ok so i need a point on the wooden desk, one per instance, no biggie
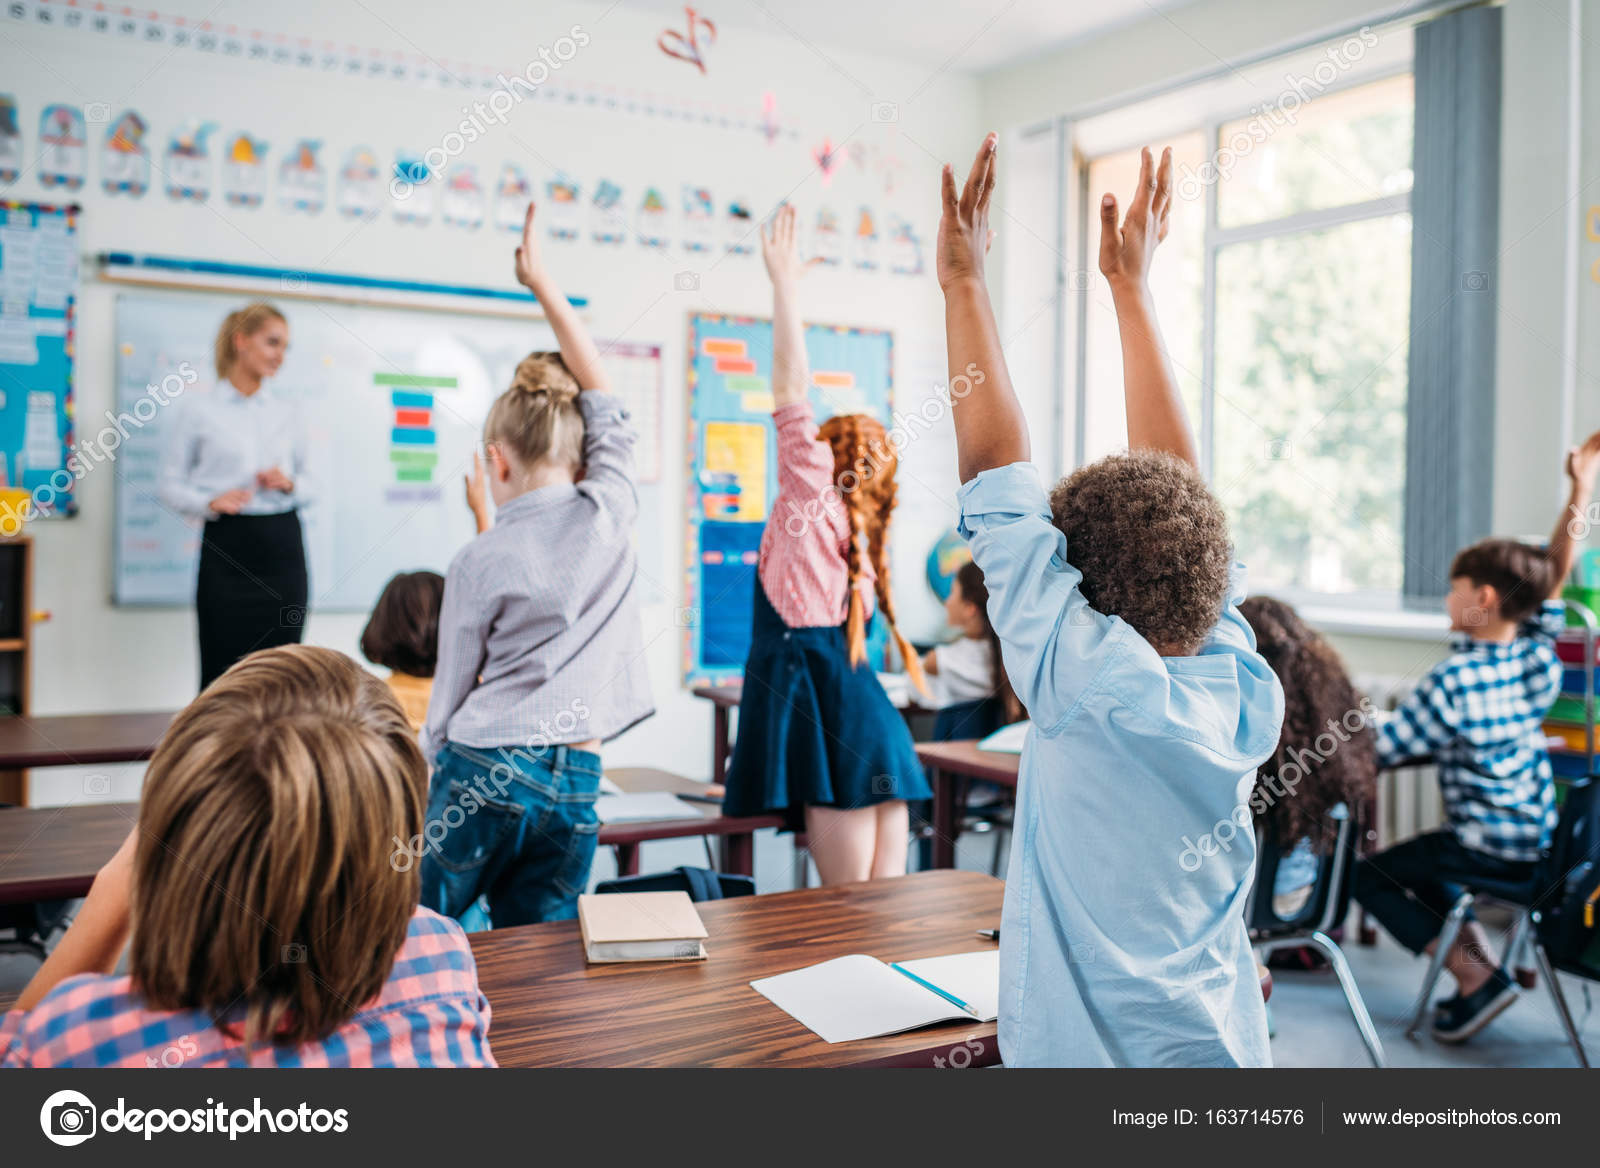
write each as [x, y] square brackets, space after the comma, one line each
[552, 1009]
[952, 765]
[81, 739]
[735, 836]
[53, 853]
[723, 698]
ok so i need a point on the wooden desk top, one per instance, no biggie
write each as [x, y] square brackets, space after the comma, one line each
[80, 739]
[708, 819]
[726, 695]
[551, 1008]
[964, 758]
[53, 853]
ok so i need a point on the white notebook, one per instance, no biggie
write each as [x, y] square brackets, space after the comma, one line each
[642, 807]
[861, 997]
[1007, 739]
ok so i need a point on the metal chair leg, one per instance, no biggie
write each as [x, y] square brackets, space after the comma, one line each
[1002, 839]
[1352, 996]
[1447, 938]
[801, 872]
[1560, 998]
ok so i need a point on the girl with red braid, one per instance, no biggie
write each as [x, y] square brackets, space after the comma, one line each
[819, 741]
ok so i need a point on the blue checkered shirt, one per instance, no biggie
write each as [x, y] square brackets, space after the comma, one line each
[1478, 715]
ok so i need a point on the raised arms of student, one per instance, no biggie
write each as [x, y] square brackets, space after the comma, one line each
[990, 428]
[577, 347]
[781, 253]
[1583, 463]
[1156, 417]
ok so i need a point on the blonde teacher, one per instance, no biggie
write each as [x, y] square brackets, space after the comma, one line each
[237, 460]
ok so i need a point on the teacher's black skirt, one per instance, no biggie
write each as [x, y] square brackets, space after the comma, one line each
[251, 591]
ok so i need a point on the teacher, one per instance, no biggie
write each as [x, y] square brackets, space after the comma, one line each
[237, 460]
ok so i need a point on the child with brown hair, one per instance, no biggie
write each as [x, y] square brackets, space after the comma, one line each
[1120, 630]
[818, 739]
[269, 925]
[968, 669]
[541, 654]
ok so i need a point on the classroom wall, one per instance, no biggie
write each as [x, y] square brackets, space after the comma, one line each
[92, 655]
[1537, 217]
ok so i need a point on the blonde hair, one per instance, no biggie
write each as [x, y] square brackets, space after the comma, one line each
[263, 885]
[538, 419]
[248, 320]
[864, 464]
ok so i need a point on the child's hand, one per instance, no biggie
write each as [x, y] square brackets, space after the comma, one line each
[964, 235]
[530, 264]
[1583, 463]
[1125, 255]
[780, 250]
[478, 493]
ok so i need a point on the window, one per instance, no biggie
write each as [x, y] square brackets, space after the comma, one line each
[1284, 294]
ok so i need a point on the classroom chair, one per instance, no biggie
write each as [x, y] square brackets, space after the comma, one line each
[1324, 909]
[699, 883]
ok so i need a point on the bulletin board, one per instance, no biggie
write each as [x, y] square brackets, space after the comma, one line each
[38, 285]
[732, 463]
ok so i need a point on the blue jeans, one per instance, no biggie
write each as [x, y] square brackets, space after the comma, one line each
[517, 829]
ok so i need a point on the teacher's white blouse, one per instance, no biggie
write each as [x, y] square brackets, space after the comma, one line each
[220, 438]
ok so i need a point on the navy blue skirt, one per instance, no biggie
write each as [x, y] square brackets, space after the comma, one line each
[812, 729]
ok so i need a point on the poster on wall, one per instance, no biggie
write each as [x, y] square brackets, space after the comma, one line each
[244, 171]
[302, 183]
[462, 203]
[511, 198]
[564, 209]
[10, 140]
[826, 245]
[62, 147]
[732, 475]
[607, 224]
[739, 229]
[360, 189]
[124, 157]
[187, 163]
[411, 190]
[865, 252]
[905, 249]
[653, 219]
[699, 219]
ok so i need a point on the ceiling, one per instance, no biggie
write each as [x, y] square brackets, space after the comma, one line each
[937, 34]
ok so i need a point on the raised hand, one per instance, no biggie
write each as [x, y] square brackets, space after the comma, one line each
[964, 235]
[1583, 464]
[530, 264]
[1125, 254]
[780, 249]
[478, 494]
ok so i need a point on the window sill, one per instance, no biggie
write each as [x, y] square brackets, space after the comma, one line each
[1351, 620]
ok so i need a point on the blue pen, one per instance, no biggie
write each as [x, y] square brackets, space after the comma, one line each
[928, 985]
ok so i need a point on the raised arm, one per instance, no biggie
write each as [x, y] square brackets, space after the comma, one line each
[1583, 462]
[1156, 417]
[577, 347]
[790, 373]
[990, 428]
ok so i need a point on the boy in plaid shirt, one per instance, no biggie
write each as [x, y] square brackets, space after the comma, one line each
[1477, 715]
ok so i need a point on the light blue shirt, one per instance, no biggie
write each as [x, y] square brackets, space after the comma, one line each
[1123, 939]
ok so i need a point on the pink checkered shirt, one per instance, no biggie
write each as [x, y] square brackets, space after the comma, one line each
[803, 567]
[429, 1014]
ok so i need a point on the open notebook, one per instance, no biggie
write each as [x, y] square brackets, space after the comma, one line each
[1007, 739]
[861, 997]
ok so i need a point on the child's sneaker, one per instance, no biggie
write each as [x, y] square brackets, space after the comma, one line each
[1458, 1019]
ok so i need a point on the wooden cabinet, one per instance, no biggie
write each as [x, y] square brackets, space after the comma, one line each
[16, 643]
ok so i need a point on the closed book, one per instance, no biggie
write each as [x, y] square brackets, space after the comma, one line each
[641, 926]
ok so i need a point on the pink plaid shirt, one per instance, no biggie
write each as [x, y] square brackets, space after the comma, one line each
[803, 567]
[429, 1014]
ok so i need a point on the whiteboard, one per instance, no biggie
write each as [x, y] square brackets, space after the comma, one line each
[379, 507]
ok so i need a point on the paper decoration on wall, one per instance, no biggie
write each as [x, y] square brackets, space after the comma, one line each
[741, 228]
[61, 147]
[769, 117]
[244, 171]
[653, 219]
[889, 166]
[463, 197]
[187, 163]
[511, 198]
[857, 153]
[302, 182]
[866, 242]
[10, 141]
[699, 219]
[687, 47]
[411, 190]
[826, 246]
[565, 211]
[905, 249]
[606, 221]
[124, 157]
[360, 184]
[826, 157]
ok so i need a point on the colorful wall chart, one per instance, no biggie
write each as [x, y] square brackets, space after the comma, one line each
[39, 275]
[732, 469]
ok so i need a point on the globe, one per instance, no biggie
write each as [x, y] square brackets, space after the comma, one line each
[944, 561]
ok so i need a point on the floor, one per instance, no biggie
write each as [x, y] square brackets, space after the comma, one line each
[1312, 1025]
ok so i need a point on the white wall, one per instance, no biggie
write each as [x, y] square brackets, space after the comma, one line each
[93, 656]
[1538, 209]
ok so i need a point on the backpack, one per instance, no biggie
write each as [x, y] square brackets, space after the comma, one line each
[1569, 911]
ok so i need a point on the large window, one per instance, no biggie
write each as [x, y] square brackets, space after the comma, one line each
[1285, 296]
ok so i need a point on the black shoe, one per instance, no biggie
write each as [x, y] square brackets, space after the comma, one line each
[1458, 1019]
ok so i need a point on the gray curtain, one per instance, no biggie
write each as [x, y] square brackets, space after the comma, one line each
[1455, 209]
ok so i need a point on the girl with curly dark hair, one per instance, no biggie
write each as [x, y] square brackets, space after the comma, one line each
[1304, 788]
